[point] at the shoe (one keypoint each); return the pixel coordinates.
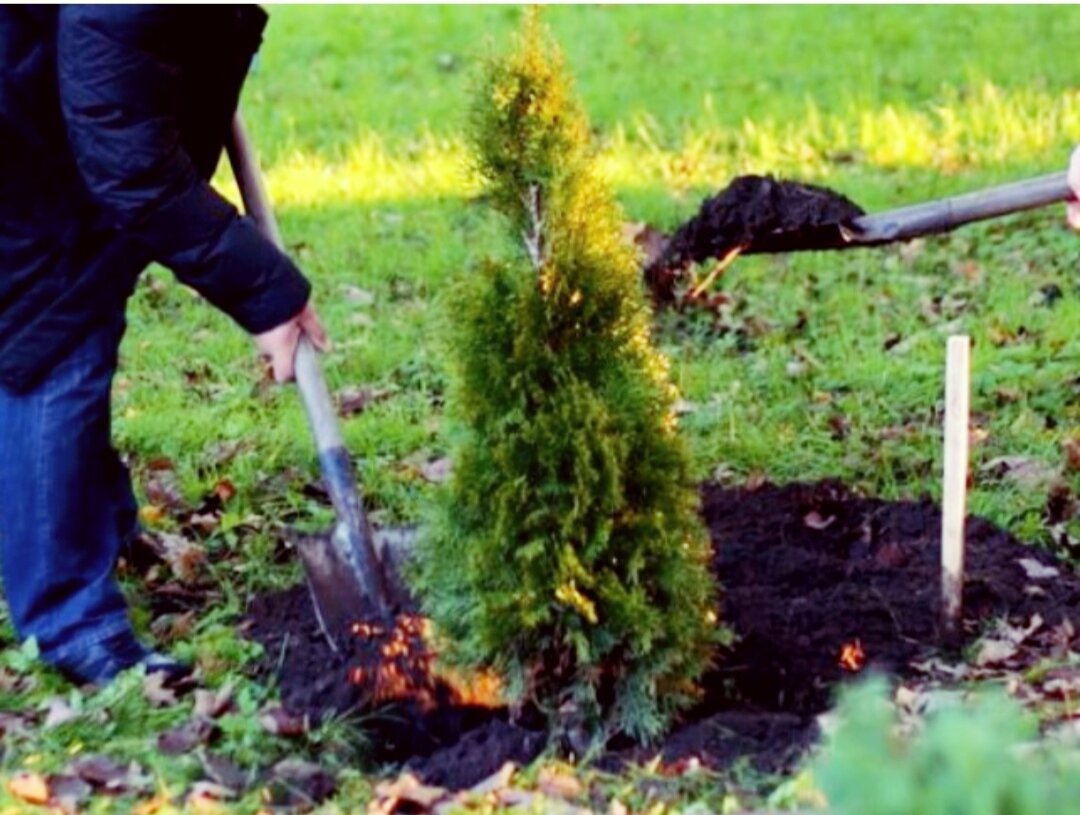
(104, 660)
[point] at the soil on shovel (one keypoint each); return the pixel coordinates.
(753, 213)
(810, 572)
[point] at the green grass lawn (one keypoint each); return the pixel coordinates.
(831, 365)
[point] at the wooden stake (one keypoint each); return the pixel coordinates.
(954, 492)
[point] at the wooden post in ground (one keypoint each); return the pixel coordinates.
(954, 492)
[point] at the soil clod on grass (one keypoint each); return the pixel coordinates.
(807, 569)
(752, 214)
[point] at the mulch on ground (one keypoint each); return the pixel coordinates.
(807, 569)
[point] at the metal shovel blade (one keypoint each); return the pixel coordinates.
(336, 592)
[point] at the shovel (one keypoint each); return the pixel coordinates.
(343, 570)
(930, 218)
(761, 215)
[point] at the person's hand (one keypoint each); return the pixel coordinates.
(1072, 209)
(278, 345)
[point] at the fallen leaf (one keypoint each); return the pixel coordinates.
(1035, 570)
(814, 520)
(212, 704)
(210, 791)
(358, 296)
(225, 490)
(186, 737)
(436, 471)
(57, 712)
(496, 781)
(105, 775)
(151, 514)
(13, 723)
(280, 722)
(29, 787)
(1071, 447)
(352, 401)
(302, 781)
(68, 792)
(559, 784)
(153, 805)
(755, 481)
(1062, 683)
(157, 690)
(223, 771)
(995, 652)
(406, 788)
(162, 487)
(649, 239)
(684, 408)
(184, 557)
(1027, 473)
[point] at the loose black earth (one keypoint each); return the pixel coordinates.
(806, 569)
(752, 214)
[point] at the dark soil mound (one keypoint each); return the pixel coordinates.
(755, 214)
(807, 569)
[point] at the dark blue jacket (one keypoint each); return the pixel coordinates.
(112, 119)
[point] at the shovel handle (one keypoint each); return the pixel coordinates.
(943, 215)
(309, 376)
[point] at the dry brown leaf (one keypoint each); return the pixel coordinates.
(225, 490)
(206, 796)
(358, 296)
(559, 784)
(436, 471)
(1028, 473)
(29, 787)
(407, 788)
(496, 781)
(157, 691)
(184, 557)
(68, 792)
(755, 481)
(186, 737)
(650, 240)
(1062, 683)
(13, 723)
(1036, 570)
(106, 775)
(814, 520)
(152, 806)
(1071, 448)
(222, 771)
(151, 514)
(162, 486)
(995, 652)
(352, 401)
(682, 407)
(302, 782)
(280, 722)
(57, 712)
(212, 704)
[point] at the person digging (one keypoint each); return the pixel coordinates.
(112, 120)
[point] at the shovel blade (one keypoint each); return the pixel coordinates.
(336, 585)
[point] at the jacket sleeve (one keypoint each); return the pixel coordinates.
(120, 97)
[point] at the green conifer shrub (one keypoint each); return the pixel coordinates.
(566, 552)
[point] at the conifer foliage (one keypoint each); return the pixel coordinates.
(566, 553)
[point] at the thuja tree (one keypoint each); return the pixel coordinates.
(566, 552)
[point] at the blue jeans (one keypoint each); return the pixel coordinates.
(66, 506)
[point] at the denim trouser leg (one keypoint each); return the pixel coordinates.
(63, 496)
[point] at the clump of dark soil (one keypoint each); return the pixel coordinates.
(807, 569)
(752, 214)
